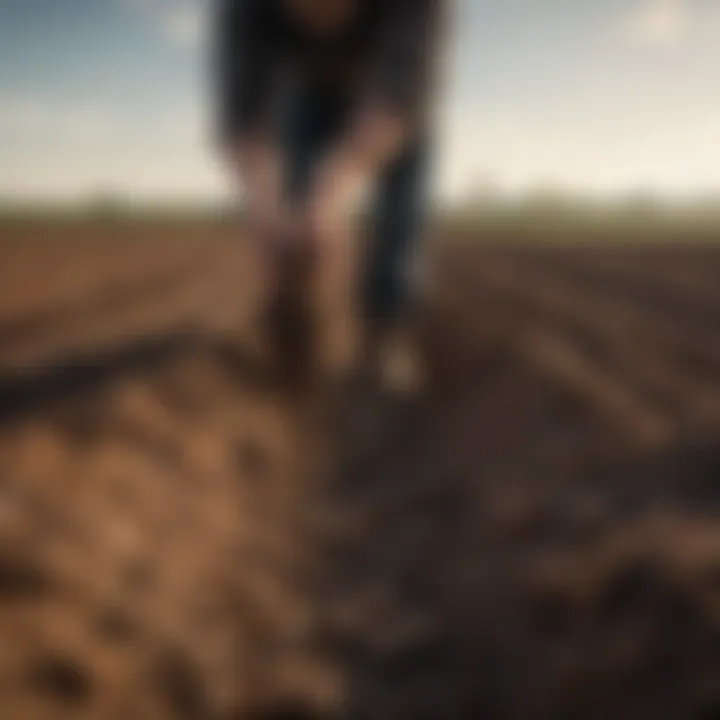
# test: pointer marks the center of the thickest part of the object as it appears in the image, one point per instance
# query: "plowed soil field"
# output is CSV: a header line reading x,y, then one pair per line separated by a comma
x,y
536,536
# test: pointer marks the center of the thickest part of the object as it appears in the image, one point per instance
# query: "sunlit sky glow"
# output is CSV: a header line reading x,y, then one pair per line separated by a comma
x,y
603,96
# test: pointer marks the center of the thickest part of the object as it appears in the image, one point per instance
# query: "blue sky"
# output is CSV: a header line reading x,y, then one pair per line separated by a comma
x,y
606,96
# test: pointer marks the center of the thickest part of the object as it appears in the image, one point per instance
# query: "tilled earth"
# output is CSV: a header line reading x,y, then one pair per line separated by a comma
x,y
535,537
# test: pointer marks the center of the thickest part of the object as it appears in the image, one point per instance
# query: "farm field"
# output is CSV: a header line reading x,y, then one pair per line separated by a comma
x,y
537,536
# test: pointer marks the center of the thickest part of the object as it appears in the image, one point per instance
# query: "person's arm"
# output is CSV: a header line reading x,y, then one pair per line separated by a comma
x,y
393,106
246,78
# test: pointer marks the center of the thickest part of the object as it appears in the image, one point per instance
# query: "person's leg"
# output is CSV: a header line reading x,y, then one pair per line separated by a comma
x,y
310,121
397,227
393,282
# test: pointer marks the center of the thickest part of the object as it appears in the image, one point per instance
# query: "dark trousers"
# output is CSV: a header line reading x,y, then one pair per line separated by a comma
x,y
389,287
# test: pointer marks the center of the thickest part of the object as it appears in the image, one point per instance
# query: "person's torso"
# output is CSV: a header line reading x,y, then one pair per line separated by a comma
x,y
337,61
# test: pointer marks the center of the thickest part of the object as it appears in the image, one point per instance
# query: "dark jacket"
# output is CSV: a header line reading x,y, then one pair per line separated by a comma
x,y
385,54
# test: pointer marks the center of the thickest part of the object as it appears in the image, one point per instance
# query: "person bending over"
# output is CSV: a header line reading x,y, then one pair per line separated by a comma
x,y
319,101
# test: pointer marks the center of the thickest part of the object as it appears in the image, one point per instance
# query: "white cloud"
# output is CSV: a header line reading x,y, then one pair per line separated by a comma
x,y
182,22
658,23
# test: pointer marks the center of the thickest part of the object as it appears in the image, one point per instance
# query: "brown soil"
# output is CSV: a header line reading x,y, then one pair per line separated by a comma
x,y
535,537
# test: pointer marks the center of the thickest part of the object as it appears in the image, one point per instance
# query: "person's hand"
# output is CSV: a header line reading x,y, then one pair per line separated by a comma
x,y
284,239
326,215
270,223
255,162
322,221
